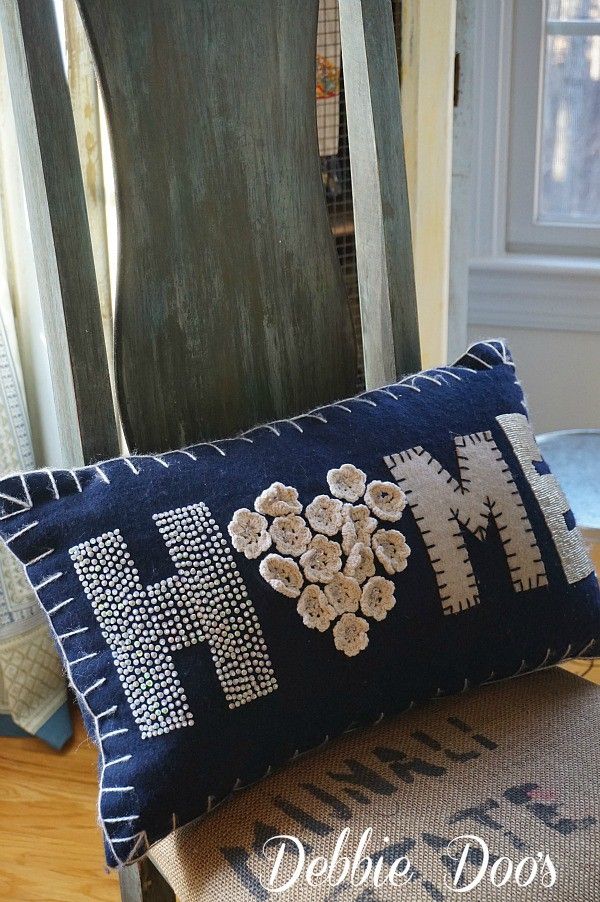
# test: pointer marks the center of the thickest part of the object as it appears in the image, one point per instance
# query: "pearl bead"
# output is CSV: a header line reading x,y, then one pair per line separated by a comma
x,y
206,600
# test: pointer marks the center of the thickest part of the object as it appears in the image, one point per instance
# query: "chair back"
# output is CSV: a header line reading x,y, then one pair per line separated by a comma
x,y
231,307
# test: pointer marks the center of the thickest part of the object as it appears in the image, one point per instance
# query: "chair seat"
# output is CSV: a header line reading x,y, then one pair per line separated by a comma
x,y
515,764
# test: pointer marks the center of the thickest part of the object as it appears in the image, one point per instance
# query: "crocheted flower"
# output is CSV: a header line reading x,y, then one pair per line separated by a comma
x,y
358,526
350,634
322,560
278,500
325,515
361,563
391,550
348,482
377,598
248,533
290,534
343,592
386,500
282,574
315,610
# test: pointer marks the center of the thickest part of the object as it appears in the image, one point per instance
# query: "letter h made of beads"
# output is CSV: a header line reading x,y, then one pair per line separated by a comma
x,y
206,599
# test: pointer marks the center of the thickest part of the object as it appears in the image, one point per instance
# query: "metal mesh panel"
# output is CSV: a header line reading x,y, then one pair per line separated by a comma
x,y
335,158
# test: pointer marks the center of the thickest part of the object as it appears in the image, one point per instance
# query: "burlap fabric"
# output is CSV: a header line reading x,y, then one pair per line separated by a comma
x,y
515,764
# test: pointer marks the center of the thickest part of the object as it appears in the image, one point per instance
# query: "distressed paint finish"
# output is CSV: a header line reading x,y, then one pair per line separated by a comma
x,y
380,196
61,243
86,113
144,883
231,308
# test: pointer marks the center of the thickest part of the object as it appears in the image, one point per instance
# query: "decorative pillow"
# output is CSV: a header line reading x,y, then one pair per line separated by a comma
x,y
223,608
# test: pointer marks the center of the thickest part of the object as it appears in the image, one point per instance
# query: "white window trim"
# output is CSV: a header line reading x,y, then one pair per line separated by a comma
x,y
528,290
524,233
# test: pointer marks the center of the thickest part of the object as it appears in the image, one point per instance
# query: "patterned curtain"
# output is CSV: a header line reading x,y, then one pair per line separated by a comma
x,y
32,686
328,78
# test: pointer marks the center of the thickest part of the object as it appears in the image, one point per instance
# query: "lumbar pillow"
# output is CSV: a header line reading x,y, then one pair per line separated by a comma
x,y
223,608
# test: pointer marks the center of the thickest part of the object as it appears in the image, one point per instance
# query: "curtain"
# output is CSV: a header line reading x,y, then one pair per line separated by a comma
x,y
328,78
32,686
33,698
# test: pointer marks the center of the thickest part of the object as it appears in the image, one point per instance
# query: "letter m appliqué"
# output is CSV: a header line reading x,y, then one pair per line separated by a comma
x,y
444,506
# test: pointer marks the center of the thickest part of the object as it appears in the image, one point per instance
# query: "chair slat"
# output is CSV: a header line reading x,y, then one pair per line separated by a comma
x,y
59,230
231,308
381,210
143,882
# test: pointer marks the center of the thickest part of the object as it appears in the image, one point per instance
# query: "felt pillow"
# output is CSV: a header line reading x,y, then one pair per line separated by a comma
x,y
223,608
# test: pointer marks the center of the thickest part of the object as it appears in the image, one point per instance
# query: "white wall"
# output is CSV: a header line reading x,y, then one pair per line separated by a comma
x,y
560,373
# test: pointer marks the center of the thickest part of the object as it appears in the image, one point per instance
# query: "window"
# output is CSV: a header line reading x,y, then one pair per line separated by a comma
x,y
568,186
535,231
554,121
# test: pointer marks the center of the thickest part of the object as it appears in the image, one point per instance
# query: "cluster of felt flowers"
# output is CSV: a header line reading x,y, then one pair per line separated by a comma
x,y
328,555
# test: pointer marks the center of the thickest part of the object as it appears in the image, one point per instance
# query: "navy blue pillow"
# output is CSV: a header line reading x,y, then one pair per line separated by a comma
x,y
224,608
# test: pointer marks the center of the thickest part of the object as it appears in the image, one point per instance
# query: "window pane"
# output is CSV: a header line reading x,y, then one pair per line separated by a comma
x,y
569,166
574,9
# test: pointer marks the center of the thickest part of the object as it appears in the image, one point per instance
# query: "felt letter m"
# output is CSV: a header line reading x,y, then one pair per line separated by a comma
x,y
443,506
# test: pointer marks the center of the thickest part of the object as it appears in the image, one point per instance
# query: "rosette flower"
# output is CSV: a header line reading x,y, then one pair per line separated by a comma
x,y
290,534
347,482
248,531
343,592
391,550
282,574
386,500
322,560
361,563
278,500
350,634
325,515
315,610
377,598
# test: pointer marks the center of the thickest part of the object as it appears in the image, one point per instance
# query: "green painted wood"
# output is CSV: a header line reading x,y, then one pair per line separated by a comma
x,y
231,307
143,882
61,242
383,69
380,193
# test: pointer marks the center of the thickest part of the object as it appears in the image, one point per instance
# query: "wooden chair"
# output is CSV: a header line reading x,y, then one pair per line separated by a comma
x,y
231,309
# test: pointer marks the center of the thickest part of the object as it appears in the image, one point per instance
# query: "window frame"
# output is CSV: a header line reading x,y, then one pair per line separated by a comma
x,y
525,233
506,289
